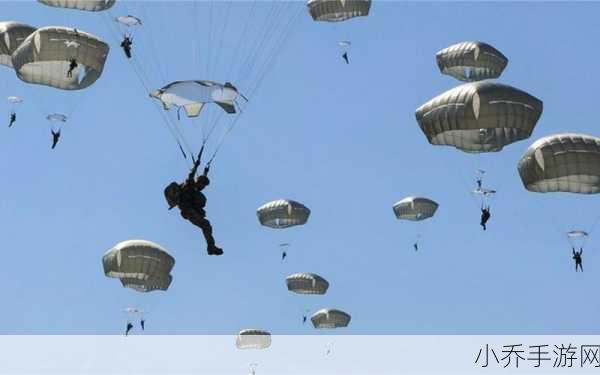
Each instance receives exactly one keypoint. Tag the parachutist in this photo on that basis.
(485, 216)
(72, 66)
(126, 45)
(345, 57)
(13, 119)
(129, 327)
(416, 246)
(283, 255)
(304, 317)
(55, 138)
(188, 196)
(142, 323)
(578, 259)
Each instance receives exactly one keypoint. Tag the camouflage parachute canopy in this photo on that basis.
(282, 213)
(253, 339)
(415, 208)
(87, 5)
(338, 10)
(479, 117)
(306, 283)
(12, 34)
(566, 162)
(330, 318)
(140, 265)
(471, 61)
(44, 58)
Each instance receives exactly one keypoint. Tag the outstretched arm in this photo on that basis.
(192, 174)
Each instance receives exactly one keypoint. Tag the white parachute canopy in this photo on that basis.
(129, 20)
(14, 100)
(577, 234)
(192, 95)
(577, 238)
(133, 310)
(345, 44)
(484, 192)
(56, 118)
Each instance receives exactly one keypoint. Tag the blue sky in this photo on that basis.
(341, 139)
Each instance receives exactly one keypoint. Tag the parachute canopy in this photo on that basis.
(562, 163)
(12, 34)
(282, 213)
(14, 99)
(129, 20)
(479, 117)
(253, 339)
(56, 117)
(192, 95)
(415, 208)
(330, 318)
(484, 192)
(45, 56)
(338, 10)
(140, 265)
(471, 61)
(577, 233)
(306, 283)
(88, 5)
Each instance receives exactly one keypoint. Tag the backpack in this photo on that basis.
(173, 194)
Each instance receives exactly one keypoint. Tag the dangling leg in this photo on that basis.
(196, 218)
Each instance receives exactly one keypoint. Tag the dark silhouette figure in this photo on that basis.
(283, 255)
(416, 246)
(188, 196)
(578, 259)
(142, 323)
(485, 216)
(345, 57)
(126, 45)
(13, 119)
(55, 138)
(479, 182)
(304, 317)
(129, 327)
(72, 65)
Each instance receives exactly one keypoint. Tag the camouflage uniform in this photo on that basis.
(191, 201)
